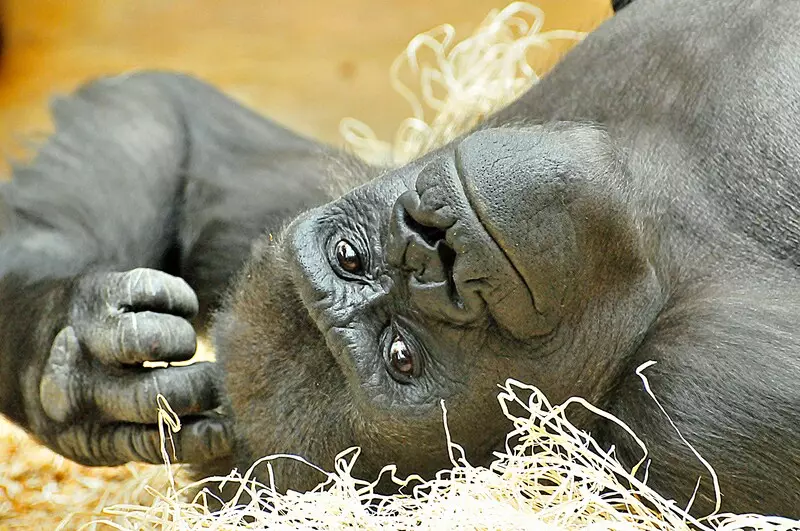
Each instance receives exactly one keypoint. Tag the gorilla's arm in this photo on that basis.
(146, 175)
(727, 376)
(101, 196)
(245, 177)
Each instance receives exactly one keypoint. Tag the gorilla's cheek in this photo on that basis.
(283, 389)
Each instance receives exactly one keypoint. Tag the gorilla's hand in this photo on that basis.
(99, 399)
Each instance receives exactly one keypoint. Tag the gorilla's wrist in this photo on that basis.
(26, 334)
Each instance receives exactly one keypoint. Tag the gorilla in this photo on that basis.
(641, 203)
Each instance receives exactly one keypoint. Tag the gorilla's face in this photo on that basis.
(510, 253)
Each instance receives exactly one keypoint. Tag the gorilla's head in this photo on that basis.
(513, 252)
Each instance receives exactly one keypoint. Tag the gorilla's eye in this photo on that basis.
(348, 258)
(401, 358)
(403, 355)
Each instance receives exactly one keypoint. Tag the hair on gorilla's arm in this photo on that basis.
(147, 176)
(619, 4)
(246, 177)
(100, 195)
(726, 373)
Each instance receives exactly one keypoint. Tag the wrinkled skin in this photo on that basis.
(638, 204)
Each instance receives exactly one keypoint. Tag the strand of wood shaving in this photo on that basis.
(42, 490)
(550, 476)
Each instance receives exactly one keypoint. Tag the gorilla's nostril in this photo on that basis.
(411, 226)
(431, 235)
(442, 272)
(419, 247)
(447, 259)
(446, 254)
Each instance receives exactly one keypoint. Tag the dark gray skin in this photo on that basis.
(637, 204)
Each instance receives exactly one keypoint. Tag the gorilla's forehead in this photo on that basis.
(381, 192)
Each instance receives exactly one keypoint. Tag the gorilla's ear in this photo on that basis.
(619, 4)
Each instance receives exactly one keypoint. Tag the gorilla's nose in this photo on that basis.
(453, 267)
(420, 250)
(426, 255)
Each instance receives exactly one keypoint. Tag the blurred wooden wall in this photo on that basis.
(306, 63)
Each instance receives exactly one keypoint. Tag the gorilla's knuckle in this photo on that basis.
(79, 444)
(217, 439)
(124, 337)
(141, 281)
(144, 445)
(142, 336)
(127, 287)
(144, 288)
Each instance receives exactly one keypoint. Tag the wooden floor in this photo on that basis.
(306, 63)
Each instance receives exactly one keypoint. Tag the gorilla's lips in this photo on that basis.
(520, 193)
(492, 268)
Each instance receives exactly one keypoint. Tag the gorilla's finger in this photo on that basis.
(198, 441)
(203, 440)
(149, 289)
(60, 390)
(111, 444)
(135, 337)
(189, 390)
